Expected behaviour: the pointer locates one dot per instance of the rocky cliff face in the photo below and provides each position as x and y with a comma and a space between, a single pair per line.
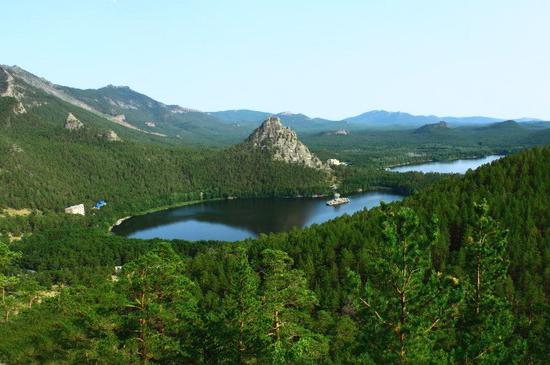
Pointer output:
283, 144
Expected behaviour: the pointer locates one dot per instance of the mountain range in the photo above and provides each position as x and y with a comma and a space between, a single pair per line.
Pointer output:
128, 108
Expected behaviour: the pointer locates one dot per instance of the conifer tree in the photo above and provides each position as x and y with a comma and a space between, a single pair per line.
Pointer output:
242, 311
7, 280
287, 302
486, 329
159, 318
406, 303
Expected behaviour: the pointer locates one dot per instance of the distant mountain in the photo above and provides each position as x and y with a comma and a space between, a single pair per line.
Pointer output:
382, 118
301, 123
241, 116
527, 120
537, 124
123, 106
133, 110
435, 127
282, 144
141, 111
385, 118
506, 125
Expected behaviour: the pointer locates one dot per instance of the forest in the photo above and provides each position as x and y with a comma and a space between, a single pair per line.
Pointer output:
457, 273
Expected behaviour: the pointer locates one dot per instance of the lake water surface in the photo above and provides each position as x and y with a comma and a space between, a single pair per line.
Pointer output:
233, 220
447, 167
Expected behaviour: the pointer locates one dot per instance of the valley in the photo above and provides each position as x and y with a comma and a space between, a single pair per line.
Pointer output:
246, 232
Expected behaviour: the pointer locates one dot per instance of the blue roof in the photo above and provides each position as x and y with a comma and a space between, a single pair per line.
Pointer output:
100, 204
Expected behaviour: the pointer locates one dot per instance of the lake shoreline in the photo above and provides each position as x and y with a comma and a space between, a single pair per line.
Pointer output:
445, 167
389, 167
119, 221
161, 208
236, 219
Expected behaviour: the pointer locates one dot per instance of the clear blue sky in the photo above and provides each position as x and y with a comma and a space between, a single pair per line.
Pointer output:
324, 58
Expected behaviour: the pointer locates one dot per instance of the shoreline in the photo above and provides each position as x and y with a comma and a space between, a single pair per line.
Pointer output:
193, 202
388, 168
163, 207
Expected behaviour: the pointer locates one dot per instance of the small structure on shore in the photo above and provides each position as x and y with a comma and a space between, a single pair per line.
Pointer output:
76, 209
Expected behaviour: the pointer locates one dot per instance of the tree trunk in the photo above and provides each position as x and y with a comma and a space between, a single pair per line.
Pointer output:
277, 326
478, 283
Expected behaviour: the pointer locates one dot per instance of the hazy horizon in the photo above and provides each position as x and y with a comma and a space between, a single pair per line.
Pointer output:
317, 58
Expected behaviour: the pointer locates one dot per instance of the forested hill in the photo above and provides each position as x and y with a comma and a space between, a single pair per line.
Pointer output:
47, 164
457, 274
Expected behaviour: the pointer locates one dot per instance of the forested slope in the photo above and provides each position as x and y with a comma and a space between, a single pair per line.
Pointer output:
47, 167
396, 284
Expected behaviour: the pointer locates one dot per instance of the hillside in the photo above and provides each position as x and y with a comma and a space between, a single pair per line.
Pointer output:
507, 125
330, 270
150, 115
56, 154
126, 107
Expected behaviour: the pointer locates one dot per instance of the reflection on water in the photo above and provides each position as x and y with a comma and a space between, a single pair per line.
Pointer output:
449, 167
233, 220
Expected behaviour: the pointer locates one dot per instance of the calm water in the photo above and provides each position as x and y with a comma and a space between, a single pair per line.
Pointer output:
450, 167
233, 220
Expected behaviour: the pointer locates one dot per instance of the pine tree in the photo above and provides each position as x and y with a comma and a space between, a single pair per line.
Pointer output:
407, 305
8, 281
287, 303
242, 311
159, 318
486, 330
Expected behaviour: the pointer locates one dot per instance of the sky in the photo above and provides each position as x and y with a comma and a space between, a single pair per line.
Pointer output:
331, 59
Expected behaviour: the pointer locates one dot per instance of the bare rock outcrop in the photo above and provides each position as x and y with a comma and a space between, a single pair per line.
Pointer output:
8, 88
72, 123
283, 144
111, 136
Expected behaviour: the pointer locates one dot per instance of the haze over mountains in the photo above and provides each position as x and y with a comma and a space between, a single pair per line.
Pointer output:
131, 109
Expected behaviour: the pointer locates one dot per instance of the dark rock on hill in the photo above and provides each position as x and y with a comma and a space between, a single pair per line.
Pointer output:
428, 128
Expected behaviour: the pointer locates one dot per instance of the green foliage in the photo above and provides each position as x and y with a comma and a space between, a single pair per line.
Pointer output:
8, 281
407, 303
382, 148
309, 284
287, 301
487, 328
159, 309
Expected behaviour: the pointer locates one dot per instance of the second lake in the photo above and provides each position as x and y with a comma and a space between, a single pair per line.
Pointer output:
447, 167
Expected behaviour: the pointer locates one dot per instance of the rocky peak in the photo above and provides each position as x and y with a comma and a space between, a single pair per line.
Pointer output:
283, 144
72, 123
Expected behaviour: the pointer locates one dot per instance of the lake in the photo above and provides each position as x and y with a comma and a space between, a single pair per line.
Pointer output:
447, 167
234, 220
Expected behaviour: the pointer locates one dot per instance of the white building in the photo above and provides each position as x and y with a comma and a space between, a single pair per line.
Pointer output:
76, 209
333, 162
